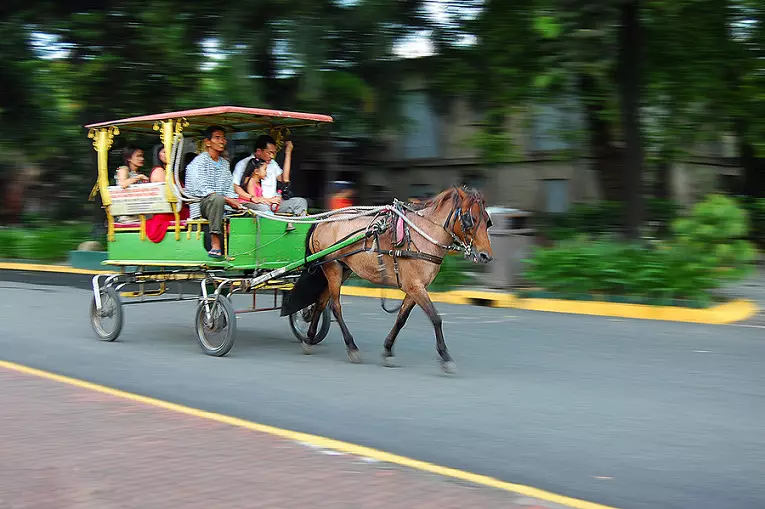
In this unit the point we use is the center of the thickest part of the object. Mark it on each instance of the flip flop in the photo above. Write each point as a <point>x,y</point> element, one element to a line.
<point>215,253</point>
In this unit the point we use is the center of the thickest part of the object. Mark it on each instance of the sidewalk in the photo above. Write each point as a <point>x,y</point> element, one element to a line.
<point>68,447</point>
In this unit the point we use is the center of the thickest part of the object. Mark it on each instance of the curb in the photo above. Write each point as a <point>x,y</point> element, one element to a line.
<point>729,312</point>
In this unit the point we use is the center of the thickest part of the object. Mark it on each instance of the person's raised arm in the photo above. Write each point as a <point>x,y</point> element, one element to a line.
<point>285,176</point>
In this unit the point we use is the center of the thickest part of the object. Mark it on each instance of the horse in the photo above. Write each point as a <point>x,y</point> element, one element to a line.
<point>407,247</point>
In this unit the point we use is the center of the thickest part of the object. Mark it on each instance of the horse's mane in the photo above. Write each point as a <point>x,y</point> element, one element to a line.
<point>448,195</point>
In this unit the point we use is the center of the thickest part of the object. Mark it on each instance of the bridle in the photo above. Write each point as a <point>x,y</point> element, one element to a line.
<point>468,223</point>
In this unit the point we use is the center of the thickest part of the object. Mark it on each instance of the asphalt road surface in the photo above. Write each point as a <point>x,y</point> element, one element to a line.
<point>633,414</point>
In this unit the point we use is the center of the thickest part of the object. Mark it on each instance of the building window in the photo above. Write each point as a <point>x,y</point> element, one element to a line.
<point>421,132</point>
<point>551,124</point>
<point>556,195</point>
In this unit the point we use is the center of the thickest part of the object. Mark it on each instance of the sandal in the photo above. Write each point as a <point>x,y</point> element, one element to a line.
<point>215,253</point>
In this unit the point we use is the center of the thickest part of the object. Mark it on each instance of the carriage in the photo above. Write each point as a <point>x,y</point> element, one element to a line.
<point>260,254</point>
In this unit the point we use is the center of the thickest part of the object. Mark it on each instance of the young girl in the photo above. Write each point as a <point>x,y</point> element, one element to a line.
<point>253,175</point>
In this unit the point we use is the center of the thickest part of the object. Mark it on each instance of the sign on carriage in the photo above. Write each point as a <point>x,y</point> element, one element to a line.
<point>139,199</point>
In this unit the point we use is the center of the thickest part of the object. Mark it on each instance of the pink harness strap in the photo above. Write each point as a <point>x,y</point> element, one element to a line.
<point>398,238</point>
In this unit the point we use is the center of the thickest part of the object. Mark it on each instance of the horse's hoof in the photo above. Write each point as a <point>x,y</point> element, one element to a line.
<point>354,356</point>
<point>449,367</point>
<point>307,349</point>
<point>389,361</point>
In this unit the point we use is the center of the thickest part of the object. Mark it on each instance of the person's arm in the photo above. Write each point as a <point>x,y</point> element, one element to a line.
<point>124,181</point>
<point>230,194</point>
<point>158,174</point>
<point>240,192</point>
<point>285,176</point>
<point>197,183</point>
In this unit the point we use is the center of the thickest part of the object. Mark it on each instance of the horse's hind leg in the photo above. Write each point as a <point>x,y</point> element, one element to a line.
<point>315,318</point>
<point>334,273</point>
<point>421,297</point>
<point>403,314</point>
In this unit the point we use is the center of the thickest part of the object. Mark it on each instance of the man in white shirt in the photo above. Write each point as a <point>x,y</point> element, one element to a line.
<point>265,148</point>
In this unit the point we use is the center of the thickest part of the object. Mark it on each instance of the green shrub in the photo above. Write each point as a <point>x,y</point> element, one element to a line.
<point>44,243</point>
<point>601,217</point>
<point>706,250</point>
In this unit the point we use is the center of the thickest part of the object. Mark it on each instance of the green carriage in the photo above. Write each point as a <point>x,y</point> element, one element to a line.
<point>261,255</point>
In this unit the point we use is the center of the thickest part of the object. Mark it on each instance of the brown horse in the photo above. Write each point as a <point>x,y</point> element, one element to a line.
<point>396,254</point>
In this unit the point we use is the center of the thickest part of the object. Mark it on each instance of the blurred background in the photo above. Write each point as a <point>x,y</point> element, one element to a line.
<point>585,117</point>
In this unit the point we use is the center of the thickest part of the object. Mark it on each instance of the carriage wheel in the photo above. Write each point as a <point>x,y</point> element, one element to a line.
<point>301,321</point>
<point>107,323</point>
<point>216,336</point>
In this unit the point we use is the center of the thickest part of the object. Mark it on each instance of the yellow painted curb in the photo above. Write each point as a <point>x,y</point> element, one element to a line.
<point>724,313</point>
<point>314,440</point>
<point>39,267</point>
<point>729,312</point>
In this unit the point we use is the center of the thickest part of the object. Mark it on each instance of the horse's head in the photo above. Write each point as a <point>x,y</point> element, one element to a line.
<point>469,221</point>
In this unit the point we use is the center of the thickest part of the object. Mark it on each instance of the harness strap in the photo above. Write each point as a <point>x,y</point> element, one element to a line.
<point>399,253</point>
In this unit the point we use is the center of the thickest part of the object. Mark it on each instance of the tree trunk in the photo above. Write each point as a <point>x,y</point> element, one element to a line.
<point>663,185</point>
<point>606,157</point>
<point>630,78</point>
<point>753,183</point>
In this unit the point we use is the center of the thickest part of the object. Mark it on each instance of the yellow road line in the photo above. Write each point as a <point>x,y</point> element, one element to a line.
<point>314,440</point>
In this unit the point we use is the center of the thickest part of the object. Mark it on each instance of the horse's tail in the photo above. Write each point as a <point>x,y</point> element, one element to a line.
<point>309,286</point>
<point>308,239</point>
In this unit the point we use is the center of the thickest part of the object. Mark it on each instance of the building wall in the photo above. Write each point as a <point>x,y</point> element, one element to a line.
<point>435,151</point>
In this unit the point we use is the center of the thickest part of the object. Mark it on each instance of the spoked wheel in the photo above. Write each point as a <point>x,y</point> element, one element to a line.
<point>107,323</point>
<point>216,335</point>
<point>301,321</point>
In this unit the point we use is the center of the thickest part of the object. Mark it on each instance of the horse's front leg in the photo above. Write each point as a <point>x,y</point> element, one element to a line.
<point>403,314</point>
<point>334,273</point>
<point>421,297</point>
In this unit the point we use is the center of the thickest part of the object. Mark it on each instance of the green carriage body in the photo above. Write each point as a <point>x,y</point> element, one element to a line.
<point>253,243</point>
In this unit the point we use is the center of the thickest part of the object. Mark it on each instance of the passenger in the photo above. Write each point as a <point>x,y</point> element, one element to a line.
<point>129,174</point>
<point>208,177</point>
<point>158,172</point>
<point>265,148</point>
<point>252,183</point>
<point>158,224</point>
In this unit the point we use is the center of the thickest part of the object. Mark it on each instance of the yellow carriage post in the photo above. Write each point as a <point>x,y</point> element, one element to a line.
<point>102,142</point>
<point>169,130</point>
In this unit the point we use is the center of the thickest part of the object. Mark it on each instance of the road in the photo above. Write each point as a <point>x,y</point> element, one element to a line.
<point>632,414</point>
